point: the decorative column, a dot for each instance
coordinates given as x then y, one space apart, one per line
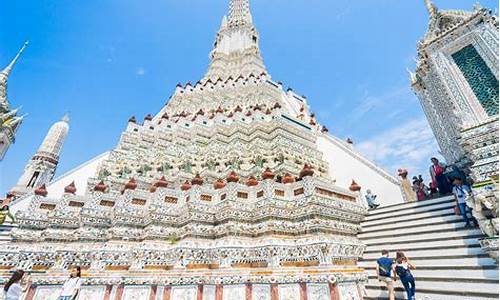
274 291
167 290
218 292
31 292
248 291
107 292
334 291
152 294
119 292
303 291
200 292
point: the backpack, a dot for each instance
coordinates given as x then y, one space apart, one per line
402 271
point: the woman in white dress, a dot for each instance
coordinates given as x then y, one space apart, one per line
13 289
71 287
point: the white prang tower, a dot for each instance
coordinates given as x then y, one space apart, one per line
41 168
232 190
9 121
456 80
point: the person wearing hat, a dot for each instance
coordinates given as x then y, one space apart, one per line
419 188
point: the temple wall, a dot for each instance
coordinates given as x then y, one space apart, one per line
346 165
55 189
295 291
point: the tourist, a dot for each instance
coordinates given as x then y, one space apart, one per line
461 192
402 269
438 177
371 199
13 288
71 287
384 268
419 188
432 189
424 187
406 186
4 213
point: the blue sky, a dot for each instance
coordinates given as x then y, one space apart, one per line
104 61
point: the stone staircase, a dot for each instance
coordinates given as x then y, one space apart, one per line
450 263
5 229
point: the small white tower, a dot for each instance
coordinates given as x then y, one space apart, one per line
42 167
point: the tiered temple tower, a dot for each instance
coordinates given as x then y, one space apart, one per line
225 193
456 80
41 168
9 120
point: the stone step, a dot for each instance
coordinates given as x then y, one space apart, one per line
413 213
459 272
442 261
457 280
410 223
408 205
410 211
424 236
447 206
5 230
417 216
450 262
396 209
7 226
439 244
432 252
381 294
415 230
469 289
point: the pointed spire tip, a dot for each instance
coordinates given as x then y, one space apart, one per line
9 67
65 118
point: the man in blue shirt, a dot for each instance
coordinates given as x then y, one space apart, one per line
461 192
384 269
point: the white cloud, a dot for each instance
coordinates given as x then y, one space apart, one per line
388 100
343 13
409 145
140 71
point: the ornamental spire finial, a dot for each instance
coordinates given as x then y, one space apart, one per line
431 7
4 76
65 118
239 12
236 48
6 71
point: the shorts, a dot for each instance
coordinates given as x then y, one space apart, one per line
388 281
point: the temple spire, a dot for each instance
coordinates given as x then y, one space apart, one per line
431 8
6 71
236 49
4 77
239 12
65 118
42 167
